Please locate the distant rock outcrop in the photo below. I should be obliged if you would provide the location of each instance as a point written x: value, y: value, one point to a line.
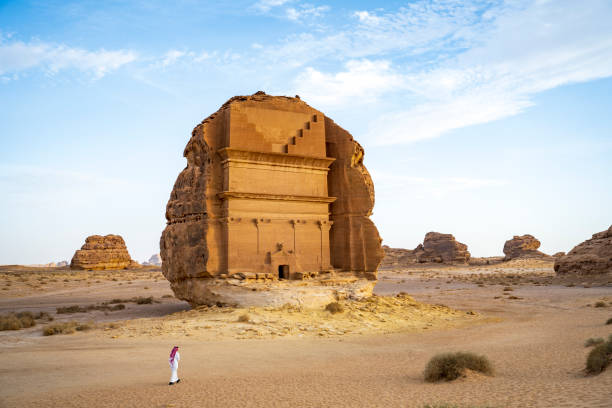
x: 154, y: 260
x: 593, y: 256
x: 99, y: 253
x: 397, y: 257
x: 441, y: 248
x: 524, y: 246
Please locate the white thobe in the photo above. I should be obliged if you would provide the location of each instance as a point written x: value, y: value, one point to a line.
x: 174, y: 367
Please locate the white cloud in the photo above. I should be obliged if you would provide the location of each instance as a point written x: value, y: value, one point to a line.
x: 266, y: 5
x: 305, y: 11
x: 362, y: 82
x: 18, y: 56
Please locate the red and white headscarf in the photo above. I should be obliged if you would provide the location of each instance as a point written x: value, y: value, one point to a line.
x: 172, y: 354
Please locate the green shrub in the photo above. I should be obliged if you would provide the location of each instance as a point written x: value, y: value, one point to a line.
x: 334, y: 307
x: 593, y: 342
x: 599, y: 358
x: 450, y: 366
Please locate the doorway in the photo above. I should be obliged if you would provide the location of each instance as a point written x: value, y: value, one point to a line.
x: 283, y: 271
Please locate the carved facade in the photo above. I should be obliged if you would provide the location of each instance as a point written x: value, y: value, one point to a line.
x: 272, y: 190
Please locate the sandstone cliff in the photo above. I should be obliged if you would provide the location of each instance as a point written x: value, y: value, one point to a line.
x: 103, y: 252
x: 593, y: 256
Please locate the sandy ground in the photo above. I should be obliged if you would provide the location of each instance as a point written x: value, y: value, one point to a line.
x: 371, y: 354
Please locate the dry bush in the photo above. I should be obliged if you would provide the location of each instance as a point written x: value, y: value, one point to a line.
x: 600, y: 303
x: 609, y: 321
x: 593, y: 342
x: 244, y: 318
x: 70, y: 309
x: 446, y: 405
x: 450, y: 366
x: 334, y: 307
x: 79, y: 309
x: 508, y: 289
x: 16, y: 321
x: 167, y: 296
x: 66, y: 328
x: 144, y: 300
x: 599, y: 358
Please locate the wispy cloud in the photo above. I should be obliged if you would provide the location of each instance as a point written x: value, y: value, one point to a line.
x: 424, y: 187
x: 304, y: 11
x: 18, y: 56
x: 266, y: 5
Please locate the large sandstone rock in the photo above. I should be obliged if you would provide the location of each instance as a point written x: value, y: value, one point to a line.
x: 273, y: 190
x: 154, y: 260
x: 103, y: 252
x: 524, y: 246
x: 397, y: 257
x: 441, y: 248
x: 593, y: 256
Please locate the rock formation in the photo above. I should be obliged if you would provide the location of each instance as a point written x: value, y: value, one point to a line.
x: 524, y: 246
x: 397, y: 257
x: 273, y: 192
x: 103, y: 252
x: 593, y: 256
x: 153, y: 260
x: 441, y: 248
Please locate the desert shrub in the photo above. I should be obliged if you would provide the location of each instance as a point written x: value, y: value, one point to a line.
x: 167, y: 296
x: 65, y: 328
x: 593, y: 342
x: 450, y: 366
x: 334, y: 307
x: 609, y: 321
x: 144, y: 300
x: 599, y: 358
x: 600, y: 303
x: 16, y: 321
x: 508, y: 289
x: 70, y: 309
x: 244, y: 318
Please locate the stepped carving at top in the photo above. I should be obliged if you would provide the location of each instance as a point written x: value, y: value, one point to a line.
x: 593, y: 256
x: 103, y: 252
x: 273, y: 192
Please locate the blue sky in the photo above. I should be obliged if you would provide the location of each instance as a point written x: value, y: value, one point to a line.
x: 484, y: 119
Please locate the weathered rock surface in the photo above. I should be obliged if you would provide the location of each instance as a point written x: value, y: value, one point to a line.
x: 103, y: 252
x: 593, y: 256
x: 273, y: 190
x: 523, y: 246
x: 441, y: 248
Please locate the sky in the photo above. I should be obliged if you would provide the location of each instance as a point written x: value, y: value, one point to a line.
x: 481, y: 118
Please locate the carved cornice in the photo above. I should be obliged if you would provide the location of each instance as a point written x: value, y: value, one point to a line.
x: 279, y: 197
x: 229, y: 155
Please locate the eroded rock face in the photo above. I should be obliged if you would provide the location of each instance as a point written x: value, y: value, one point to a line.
x: 273, y: 190
x: 103, y: 252
x: 153, y: 260
x: 397, y: 257
x: 593, y: 256
x: 441, y: 248
x: 524, y: 246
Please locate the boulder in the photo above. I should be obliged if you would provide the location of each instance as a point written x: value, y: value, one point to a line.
x: 524, y: 246
x: 441, y: 248
x: 593, y: 256
x: 273, y: 191
x: 103, y: 252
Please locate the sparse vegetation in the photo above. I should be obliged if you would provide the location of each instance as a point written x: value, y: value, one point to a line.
x: 16, y: 321
x: 593, y: 342
x: 66, y: 328
x: 167, y: 296
x: 508, y: 289
x: 450, y: 366
x: 446, y: 405
x: 85, y: 309
x: 600, y: 303
x: 244, y: 318
x: 609, y: 321
x: 599, y: 358
x: 334, y: 307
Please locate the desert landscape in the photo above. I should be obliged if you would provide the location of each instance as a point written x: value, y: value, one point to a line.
x: 530, y: 323
x: 296, y: 203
